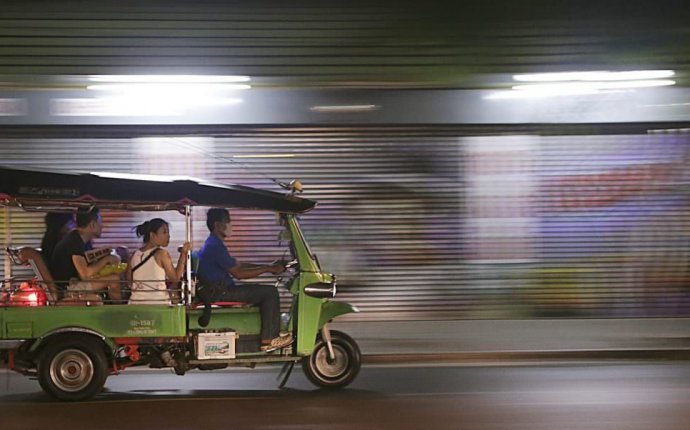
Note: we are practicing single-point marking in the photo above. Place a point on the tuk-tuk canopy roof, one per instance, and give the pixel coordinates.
(49, 189)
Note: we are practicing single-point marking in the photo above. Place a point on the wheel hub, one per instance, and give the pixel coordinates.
(71, 370)
(331, 368)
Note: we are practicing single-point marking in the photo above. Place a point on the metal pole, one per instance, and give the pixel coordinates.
(326, 336)
(8, 241)
(188, 233)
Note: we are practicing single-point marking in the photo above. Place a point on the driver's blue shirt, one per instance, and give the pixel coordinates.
(215, 262)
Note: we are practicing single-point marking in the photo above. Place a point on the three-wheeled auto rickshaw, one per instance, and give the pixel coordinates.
(72, 345)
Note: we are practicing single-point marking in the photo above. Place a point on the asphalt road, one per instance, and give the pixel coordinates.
(615, 395)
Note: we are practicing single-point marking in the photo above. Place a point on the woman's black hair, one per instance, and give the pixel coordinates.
(144, 230)
(55, 221)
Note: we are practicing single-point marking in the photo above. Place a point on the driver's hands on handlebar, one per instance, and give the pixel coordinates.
(276, 267)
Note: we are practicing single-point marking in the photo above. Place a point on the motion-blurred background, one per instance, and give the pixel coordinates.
(461, 173)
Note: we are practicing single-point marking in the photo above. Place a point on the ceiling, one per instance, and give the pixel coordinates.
(304, 43)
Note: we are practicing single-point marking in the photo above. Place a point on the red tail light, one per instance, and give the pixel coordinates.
(28, 294)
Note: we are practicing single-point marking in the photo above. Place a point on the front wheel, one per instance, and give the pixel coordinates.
(73, 369)
(337, 373)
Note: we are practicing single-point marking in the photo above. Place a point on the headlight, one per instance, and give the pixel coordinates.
(321, 290)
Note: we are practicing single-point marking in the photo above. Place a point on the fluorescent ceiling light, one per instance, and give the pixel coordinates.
(576, 87)
(135, 87)
(170, 79)
(594, 76)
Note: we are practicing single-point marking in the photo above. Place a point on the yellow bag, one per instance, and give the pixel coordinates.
(112, 269)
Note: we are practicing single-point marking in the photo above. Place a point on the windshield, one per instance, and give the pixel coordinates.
(301, 239)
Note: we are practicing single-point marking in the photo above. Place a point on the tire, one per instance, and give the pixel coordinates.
(340, 373)
(73, 368)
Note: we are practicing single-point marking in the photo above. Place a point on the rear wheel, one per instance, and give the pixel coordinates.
(340, 371)
(73, 368)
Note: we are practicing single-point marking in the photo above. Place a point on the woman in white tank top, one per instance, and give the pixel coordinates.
(151, 265)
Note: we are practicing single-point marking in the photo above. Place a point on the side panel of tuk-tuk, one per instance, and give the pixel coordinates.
(307, 323)
(243, 321)
(308, 308)
(109, 321)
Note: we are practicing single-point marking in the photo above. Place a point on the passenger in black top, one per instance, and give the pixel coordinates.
(58, 225)
(69, 261)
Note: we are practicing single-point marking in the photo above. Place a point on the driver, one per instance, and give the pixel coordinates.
(216, 272)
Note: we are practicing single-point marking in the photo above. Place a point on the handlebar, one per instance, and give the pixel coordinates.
(291, 264)
(288, 265)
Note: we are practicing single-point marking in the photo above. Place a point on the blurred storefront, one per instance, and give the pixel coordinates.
(424, 222)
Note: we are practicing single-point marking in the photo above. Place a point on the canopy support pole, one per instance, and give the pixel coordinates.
(8, 241)
(188, 237)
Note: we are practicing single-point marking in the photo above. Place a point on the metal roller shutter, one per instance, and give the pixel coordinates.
(438, 223)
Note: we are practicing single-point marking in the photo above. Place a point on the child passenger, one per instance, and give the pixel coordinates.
(151, 265)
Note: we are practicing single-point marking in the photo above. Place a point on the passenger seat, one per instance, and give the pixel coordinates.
(31, 257)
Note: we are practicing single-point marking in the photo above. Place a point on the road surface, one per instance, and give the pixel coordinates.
(587, 395)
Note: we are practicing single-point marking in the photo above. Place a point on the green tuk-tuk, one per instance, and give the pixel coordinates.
(72, 346)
